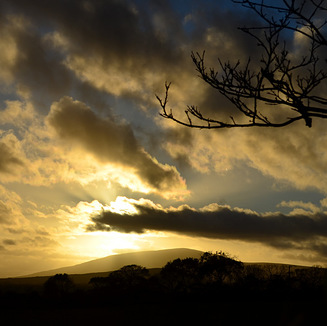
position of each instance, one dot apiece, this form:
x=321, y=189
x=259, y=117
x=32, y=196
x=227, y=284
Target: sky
x=88, y=167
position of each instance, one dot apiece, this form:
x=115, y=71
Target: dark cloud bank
x=222, y=222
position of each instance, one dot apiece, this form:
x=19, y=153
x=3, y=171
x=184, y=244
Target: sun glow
x=122, y=205
x=75, y=221
x=100, y=244
x=79, y=242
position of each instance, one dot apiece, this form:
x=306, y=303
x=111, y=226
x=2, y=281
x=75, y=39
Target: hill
x=31, y=284
x=148, y=259
x=287, y=294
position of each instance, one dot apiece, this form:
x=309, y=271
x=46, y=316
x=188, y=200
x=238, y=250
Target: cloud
x=43, y=45
x=4, y=213
x=9, y=242
x=300, y=207
x=219, y=222
x=7, y=159
x=11, y=212
x=112, y=142
x=17, y=114
x=43, y=48
x=31, y=153
x=133, y=61
x=294, y=155
x=30, y=66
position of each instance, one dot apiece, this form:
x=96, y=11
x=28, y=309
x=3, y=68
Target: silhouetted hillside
x=148, y=259
x=212, y=289
x=35, y=283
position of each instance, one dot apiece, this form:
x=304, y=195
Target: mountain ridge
x=148, y=259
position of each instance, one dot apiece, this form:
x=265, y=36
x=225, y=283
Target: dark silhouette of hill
x=148, y=259
x=35, y=283
x=214, y=289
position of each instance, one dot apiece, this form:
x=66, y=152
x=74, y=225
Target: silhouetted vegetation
x=277, y=79
x=58, y=286
x=214, y=280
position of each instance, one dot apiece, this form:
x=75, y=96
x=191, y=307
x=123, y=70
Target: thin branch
x=277, y=81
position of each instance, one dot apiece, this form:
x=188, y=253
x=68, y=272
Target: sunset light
x=120, y=131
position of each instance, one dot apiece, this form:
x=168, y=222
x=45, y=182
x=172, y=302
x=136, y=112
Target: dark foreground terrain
x=212, y=290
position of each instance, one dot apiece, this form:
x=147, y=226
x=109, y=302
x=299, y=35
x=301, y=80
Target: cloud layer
x=306, y=230
x=79, y=125
x=97, y=54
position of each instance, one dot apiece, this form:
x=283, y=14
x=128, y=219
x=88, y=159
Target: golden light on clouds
x=82, y=145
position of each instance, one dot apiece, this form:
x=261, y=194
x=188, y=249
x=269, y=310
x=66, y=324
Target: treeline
x=215, y=277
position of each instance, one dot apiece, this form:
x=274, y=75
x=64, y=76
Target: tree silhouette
x=126, y=278
x=190, y=274
x=281, y=87
x=219, y=267
x=180, y=274
x=58, y=286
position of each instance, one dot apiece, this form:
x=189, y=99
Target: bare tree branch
x=278, y=80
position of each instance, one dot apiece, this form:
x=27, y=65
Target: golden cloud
x=114, y=143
